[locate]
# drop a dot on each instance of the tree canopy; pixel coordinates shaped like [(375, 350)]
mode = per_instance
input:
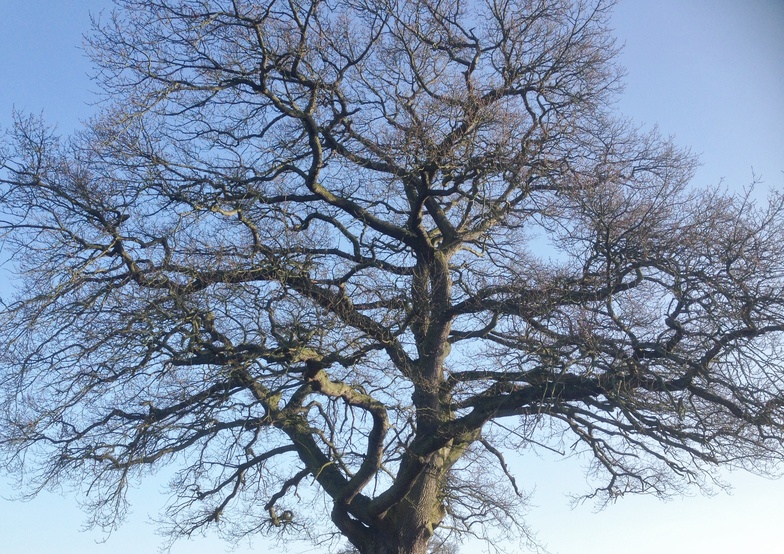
[(332, 260)]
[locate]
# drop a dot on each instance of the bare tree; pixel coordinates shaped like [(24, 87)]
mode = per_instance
[(334, 258)]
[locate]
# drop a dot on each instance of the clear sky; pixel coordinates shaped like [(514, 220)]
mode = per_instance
[(709, 72)]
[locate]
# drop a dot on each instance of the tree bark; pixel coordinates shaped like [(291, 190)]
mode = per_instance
[(408, 527)]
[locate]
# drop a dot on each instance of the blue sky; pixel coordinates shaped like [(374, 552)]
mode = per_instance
[(709, 72)]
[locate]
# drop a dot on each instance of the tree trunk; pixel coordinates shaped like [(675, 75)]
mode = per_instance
[(407, 527), (393, 545)]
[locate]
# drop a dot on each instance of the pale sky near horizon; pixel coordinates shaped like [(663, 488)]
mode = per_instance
[(709, 72)]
